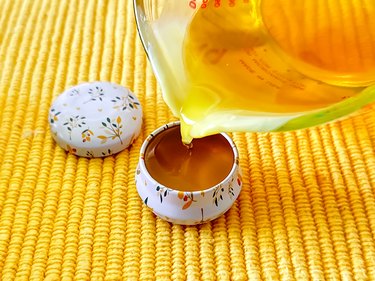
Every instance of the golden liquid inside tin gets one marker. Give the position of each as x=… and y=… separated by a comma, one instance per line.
x=204, y=165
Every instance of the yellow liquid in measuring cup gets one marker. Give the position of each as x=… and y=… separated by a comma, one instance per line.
x=255, y=65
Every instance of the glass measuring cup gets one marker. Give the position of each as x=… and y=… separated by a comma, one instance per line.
x=259, y=65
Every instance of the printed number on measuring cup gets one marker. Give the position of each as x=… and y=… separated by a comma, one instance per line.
x=193, y=4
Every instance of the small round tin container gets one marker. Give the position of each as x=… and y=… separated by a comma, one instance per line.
x=187, y=207
x=95, y=119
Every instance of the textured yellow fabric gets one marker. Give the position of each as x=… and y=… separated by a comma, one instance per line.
x=307, y=209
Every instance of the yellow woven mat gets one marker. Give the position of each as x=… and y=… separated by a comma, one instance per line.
x=307, y=210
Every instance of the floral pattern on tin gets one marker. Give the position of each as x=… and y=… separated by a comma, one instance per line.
x=96, y=93
x=162, y=191
x=187, y=198
x=76, y=118
x=74, y=92
x=217, y=195
x=54, y=116
x=186, y=207
x=232, y=185
x=146, y=201
x=73, y=122
x=202, y=214
x=125, y=102
x=231, y=189
x=90, y=153
x=86, y=135
x=112, y=130
x=239, y=179
x=107, y=153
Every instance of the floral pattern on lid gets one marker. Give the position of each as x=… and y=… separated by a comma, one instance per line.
x=95, y=119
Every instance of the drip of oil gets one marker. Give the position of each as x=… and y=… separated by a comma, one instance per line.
x=205, y=163
x=254, y=65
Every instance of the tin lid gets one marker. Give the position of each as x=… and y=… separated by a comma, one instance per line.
x=95, y=119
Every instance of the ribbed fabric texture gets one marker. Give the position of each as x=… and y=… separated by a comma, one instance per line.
x=306, y=211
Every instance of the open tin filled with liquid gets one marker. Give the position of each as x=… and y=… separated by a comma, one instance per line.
x=188, y=185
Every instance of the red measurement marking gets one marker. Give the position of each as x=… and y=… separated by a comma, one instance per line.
x=193, y=4
x=217, y=3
